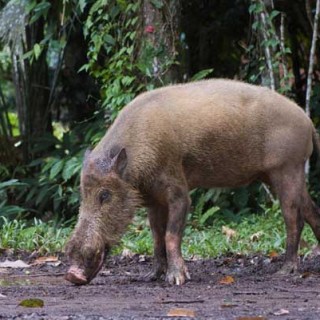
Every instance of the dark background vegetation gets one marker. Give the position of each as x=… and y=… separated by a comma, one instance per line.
x=68, y=67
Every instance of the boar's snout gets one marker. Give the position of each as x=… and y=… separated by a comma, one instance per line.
x=85, y=267
x=76, y=275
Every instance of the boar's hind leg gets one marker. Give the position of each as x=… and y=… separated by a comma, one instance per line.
x=289, y=184
x=158, y=216
x=311, y=213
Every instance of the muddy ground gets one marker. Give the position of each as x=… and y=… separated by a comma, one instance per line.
x=118, y=292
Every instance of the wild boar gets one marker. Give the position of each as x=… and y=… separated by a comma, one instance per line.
x=214, y=133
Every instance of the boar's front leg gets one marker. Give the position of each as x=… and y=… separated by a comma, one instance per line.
x=158, y=216
x=178, y=206
x=167, y=215
x=167, y=224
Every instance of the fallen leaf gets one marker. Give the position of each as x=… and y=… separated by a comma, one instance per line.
x=227, y=280
x=273, y=254
x=256, y=236
x=305, y=275
x=230, y=233
x=54, y=264
x=4, y=270
x=32, y=303
x=180, y=312
x=43, y=260
x=227, y=261
x=13, y=264
x=281, y=312
x=228, y=305
x=126, y=253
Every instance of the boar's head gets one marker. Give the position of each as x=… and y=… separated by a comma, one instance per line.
x=107, y=207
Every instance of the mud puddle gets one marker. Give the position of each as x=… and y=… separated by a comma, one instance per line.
x=235, y=287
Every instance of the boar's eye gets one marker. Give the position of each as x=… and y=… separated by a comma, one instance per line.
x=104, y=196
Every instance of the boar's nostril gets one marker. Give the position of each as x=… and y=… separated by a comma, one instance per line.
x=89, y=261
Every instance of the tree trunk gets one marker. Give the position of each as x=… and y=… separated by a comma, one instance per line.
x=32, y=92
x=38, y=85
x=160, y=44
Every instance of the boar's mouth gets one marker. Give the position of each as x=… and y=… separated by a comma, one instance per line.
x=80, y=276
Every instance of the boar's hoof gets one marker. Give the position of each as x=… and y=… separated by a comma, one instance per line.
x=177, y=276
x=315, y=251
x=154, y=275
x=76, y=276
x=288, y=268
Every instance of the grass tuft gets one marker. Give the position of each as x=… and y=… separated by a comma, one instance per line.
x=251, y=233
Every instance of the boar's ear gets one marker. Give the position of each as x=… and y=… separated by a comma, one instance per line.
x=120, y=161
x=86, y=156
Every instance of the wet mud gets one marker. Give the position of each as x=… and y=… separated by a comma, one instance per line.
x=234, y=287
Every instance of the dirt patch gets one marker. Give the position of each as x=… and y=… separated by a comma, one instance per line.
x=253, y=290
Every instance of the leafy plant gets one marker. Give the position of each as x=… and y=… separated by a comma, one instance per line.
x=201, y=74
x=231, y=203
x=268, y=59
x=8, y=210
x=111, y=32
x=55, y=186
x=33, y=235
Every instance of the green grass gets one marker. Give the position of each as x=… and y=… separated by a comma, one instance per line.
x=200, y=241
x=33, y=235
x=210, y=241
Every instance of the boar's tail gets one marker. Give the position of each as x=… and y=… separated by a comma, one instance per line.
x=316, y=143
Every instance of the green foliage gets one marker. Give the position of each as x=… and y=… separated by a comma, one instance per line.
x=212, y=242
x=231, y=203
x=111, y=30
x=201, y=216
x=254, y=233
x=121, y=59
x=55, y=186
x=5, y=61
x=201, y=74
x=35, y=235
x=268, y=58
x=8, y=210
x=50, y=184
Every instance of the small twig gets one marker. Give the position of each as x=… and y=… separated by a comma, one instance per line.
x=249, y=293
x=295, y=290
x=37, y=275
x=269, y=193
x=311, y=57
x=267, y=51
x=282, y=46
x=310, y=70
x=181, y=301
x=309, y=12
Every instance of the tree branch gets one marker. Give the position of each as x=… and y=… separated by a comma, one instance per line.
x=311, y=65
x=267, y=51
x=311, y=57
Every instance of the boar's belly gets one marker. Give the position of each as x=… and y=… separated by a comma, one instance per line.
x=223, y=173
